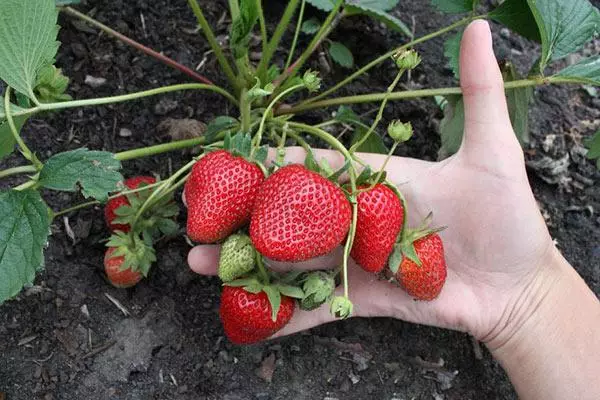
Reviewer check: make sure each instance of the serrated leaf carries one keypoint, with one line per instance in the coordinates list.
(455, 6)
(274, 299)
(7, 140)
(341, 54)
(452, 52)
(125, 210)
(242, 27)
(96, 171)
(369, 8)
(518, 104)
(565, 26)
(585, 71)
(593, 145)
(324, 5)
(310, 26)
(373, 144)
(28, 30)
(218, 125)
(24, 230)
(167, 226)
(516, 15)
(452, 126)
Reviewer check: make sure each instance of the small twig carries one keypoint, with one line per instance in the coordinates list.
(100, 349)
(476, 348)
(118, 304)
(173, 379)
(144, 49)
(43, 360)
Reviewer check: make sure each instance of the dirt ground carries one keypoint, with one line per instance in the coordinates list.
(64, 339)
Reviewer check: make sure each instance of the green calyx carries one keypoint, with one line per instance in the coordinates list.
(399, 131)
(240, 145)
(311, 81)
(407, 59)
(237, 258)
(405, 247)
(318, 289)
(138, 252)
(341, 307)
(51, 85)
(273, 290)
(157, 220)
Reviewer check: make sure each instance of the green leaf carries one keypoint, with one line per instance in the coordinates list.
(24, 230)
(66, 2)
(516, 15)
(310, 163)
(325, 5)
(585, 71)
(593, 145)
(96, 171)
(455, 6)
(452, 52)
(28, 33)
(261, 154)
(376, 10)
(310, 26)
(218, 125)
(341, 54)
(242, 27)
(274, 297)
(518, 104)
(564, 25)
(374, 144)
(7, 140)
(452, 126)
(345, 114)
(167, 226)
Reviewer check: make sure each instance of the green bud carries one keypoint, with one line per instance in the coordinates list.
(341, 307)
(318, 288)
(400, 132)
(311, 80)
(237, 257)
(407, 59)
(51, 84)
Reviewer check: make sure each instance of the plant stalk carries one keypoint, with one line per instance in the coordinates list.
(234, 9)
(275, 39)
(17, 170)
(263, 26)
(296, 34)
(245, 109)
(411, 94)
(390, 53)
(163, 148)
(215, 46)
(13, 129)
(144, 49)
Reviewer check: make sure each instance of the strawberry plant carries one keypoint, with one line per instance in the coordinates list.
(261, 210)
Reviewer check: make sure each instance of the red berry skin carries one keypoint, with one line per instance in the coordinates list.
(380, 219)
(113, 204)
(299, 215)
(246, 316)
(112, 267)
(220, 194)
(424, 282)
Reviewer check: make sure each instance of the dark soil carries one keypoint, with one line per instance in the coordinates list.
(63, 339)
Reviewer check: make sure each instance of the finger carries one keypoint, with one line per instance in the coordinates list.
(204, 259)
(487, 122)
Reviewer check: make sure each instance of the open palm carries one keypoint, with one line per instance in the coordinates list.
(496, 240)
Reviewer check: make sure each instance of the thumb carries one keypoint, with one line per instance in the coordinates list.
(488, 134)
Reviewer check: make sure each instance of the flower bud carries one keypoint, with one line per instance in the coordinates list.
(312, 81)
(400, 132)
(407, 59)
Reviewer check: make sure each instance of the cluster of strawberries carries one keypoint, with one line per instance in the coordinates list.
(296, 214)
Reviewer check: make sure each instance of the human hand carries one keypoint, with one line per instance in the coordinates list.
(496, 244)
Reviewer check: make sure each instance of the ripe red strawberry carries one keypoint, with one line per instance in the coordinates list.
(117, 277)
(220, 193)
(247, 317)
(425, 281)
(113, 204)
(299, 215)
(380, 219)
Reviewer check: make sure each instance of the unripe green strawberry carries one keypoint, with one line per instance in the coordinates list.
(237, 257)
(318, 288)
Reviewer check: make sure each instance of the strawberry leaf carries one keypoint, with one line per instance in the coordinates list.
(261, 154)
(7, 140)
(341, 54)
(96, 172)
(24, 230)
(290, 291)
(274, 297)
(28, 30)
(167, 226)
(310, 26)
(219, 125)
